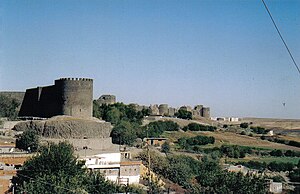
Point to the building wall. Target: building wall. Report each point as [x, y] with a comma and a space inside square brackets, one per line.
[113, 168]
[108, 160]
[68, 96]
[155, 142]
[131, 172]
[30, 105]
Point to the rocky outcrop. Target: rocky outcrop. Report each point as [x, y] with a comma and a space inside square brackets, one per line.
[64, 127]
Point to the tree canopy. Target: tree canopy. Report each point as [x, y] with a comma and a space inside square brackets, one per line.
[28, 140]
[124, 133]
[56, 170]
[184, 114]
[8, 107]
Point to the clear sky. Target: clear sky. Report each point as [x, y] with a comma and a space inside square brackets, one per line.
[223, 54]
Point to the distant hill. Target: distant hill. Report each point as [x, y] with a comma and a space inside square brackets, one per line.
[275, 124]
[15, 95]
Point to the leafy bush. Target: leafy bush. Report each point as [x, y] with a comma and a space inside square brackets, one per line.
[56, 170]
[198, 127]
[244, 125]
[28, 140]
[259, 130]
[235, 151]
[165, 147]
[123, 133]
[188, 143]
[184, 114]
[115, 113]
[281, 166]
[202, 176]
[295, 175]
[277, 153]
[9, 107]
[155, 129]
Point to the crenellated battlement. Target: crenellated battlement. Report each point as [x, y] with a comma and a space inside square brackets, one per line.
[74, 79]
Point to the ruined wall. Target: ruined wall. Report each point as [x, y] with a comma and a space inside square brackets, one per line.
[206, 112]
[107, 99]
[163, 109]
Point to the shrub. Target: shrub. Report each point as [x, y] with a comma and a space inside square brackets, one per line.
[244, 125]
[199, 127]
[28, 140]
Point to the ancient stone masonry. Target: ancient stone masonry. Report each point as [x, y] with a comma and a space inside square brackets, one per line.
[107, 99]
[206, 112]
[163, 109]
[68, 96]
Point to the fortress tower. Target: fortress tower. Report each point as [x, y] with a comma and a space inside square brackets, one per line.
[68, 96]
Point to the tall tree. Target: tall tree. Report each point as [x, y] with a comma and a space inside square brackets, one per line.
[28, 140]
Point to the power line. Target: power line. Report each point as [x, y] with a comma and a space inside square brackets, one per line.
[286, 46]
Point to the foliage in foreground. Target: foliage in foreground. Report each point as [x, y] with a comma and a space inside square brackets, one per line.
[115, 113]
[184, 114]
[202, 176]
[9, 107]
[188, 143]
[126, 132]
[198, 127]
[56, 170]
[28, 140]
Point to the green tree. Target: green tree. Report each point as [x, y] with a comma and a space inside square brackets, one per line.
[113, 115]
[244, 125]
[8, 107]
[165, 147]
[295, 175]
[123, 133]
[28, 140]
[184, 114]
[96, 109]
[54, 170]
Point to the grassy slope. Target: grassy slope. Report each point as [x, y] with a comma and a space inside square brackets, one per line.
[293, 160]
[230, 138]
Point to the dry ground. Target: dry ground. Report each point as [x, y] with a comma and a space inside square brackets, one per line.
[231, 138]
[276, 124]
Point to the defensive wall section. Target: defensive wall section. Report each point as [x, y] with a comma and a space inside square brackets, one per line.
[68, 96]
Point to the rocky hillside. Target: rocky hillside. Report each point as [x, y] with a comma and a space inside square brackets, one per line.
[67, 127]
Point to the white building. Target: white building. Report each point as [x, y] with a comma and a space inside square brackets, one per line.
[116, 167]
[275, 187]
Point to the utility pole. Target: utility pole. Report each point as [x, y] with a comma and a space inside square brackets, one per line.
[149, 163]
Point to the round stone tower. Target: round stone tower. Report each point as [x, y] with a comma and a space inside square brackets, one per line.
[163, 109]
[75, 96]
[206, 112]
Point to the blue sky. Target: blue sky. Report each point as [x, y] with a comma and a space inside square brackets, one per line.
[223, 54]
